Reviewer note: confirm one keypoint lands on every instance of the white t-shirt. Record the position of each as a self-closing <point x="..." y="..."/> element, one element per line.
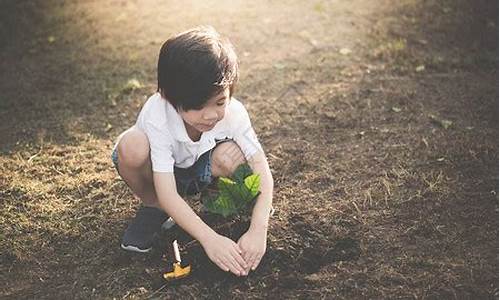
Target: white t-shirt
<point x="170" y="144"/>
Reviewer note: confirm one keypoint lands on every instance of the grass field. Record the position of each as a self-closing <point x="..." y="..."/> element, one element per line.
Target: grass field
<point x="379" y="120"/>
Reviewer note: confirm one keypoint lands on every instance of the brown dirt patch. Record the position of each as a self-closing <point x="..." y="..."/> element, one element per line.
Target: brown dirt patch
<point x="379" y="118"/>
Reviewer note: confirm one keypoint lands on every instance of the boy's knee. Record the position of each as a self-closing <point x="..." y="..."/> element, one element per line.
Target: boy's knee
<point x="133" y="149"/>
<point x="226" y="157"/>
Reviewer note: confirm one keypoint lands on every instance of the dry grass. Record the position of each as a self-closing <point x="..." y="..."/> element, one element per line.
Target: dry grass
<point x="381" y="135"/>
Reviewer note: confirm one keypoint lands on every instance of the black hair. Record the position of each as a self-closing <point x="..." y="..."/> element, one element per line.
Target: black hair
<point x="194" y="66"/>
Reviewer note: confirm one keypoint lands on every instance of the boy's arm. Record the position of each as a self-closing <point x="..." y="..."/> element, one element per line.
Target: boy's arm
<point x="221" y="250"/>
<point x="263" y="205"/>
<point x="253" y="242"/>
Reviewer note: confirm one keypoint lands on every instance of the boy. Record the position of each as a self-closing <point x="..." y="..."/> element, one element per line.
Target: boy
<point x="190" y="131"/>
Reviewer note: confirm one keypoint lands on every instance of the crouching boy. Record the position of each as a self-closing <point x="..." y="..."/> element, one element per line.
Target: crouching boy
<point x="189" y="132"/>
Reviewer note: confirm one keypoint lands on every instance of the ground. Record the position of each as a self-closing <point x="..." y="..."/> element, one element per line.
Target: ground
<point x="379" y="119"/>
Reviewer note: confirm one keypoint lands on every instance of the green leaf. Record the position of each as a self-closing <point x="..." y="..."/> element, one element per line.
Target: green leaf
<point x="243" y="193"/>
<point x="232" y="191"/>
<point x="222" y="205"/>
<point x="279" y="66"/>
<point x="225" y="182"/>
<point x="252" y="183"/>
<point x="420" y="68"/>
<point x="441" y="122"/>
<point x="242" y="172"/>
<point x="319" y="7"/>
<point x="235" y="193"/>
<point x="345" y="51"/>
<point x="210" y="205"/>
<point x="131" y="85"/>
<point x="227" y="205"/>
<point x="226" y="186"/>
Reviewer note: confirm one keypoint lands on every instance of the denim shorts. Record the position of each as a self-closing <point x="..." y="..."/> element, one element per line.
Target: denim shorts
<point x="192" y="180"/>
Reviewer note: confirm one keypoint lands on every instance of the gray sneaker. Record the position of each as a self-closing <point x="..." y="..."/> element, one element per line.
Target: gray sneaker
<point x="140" y="233"/>
<point x="168" y="224"/>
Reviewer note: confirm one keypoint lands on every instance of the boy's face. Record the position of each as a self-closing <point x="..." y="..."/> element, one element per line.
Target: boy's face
<point x="212" y="112"/>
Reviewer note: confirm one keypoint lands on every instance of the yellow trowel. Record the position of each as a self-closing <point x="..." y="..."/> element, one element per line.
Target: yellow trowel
<point x="179" y="271"/>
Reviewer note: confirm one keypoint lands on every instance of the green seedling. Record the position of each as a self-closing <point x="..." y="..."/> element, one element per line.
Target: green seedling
<point x="235" y="193"/>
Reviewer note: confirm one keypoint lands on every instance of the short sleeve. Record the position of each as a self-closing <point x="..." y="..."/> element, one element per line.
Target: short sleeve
<point x="244" y="134"/>
<point x="160" y="143"/>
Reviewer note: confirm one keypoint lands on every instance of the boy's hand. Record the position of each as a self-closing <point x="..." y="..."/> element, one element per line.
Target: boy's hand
<point x="225" y="253"/>
<point x="253" y="243"/>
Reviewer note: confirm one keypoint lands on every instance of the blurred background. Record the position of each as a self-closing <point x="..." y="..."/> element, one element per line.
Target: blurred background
<point x="379" y="119"/>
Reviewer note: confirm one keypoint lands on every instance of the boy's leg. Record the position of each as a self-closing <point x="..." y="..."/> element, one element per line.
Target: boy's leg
<point x="220" y="161"/>
<point x="134" y="166"/>
<point x="226" y="157"/>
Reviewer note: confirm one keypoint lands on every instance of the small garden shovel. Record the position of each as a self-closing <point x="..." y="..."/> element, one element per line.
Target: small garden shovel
<point x="179" y="271"/>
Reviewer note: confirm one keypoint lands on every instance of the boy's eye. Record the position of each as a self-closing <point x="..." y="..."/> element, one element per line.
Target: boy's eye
<point x="221" y="103"/>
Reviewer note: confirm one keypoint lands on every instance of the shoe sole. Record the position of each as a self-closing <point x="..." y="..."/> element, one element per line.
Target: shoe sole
<point x="135" y="249"/>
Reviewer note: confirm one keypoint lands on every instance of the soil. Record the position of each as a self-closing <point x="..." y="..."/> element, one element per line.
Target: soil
<point x="379" y="120"/>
